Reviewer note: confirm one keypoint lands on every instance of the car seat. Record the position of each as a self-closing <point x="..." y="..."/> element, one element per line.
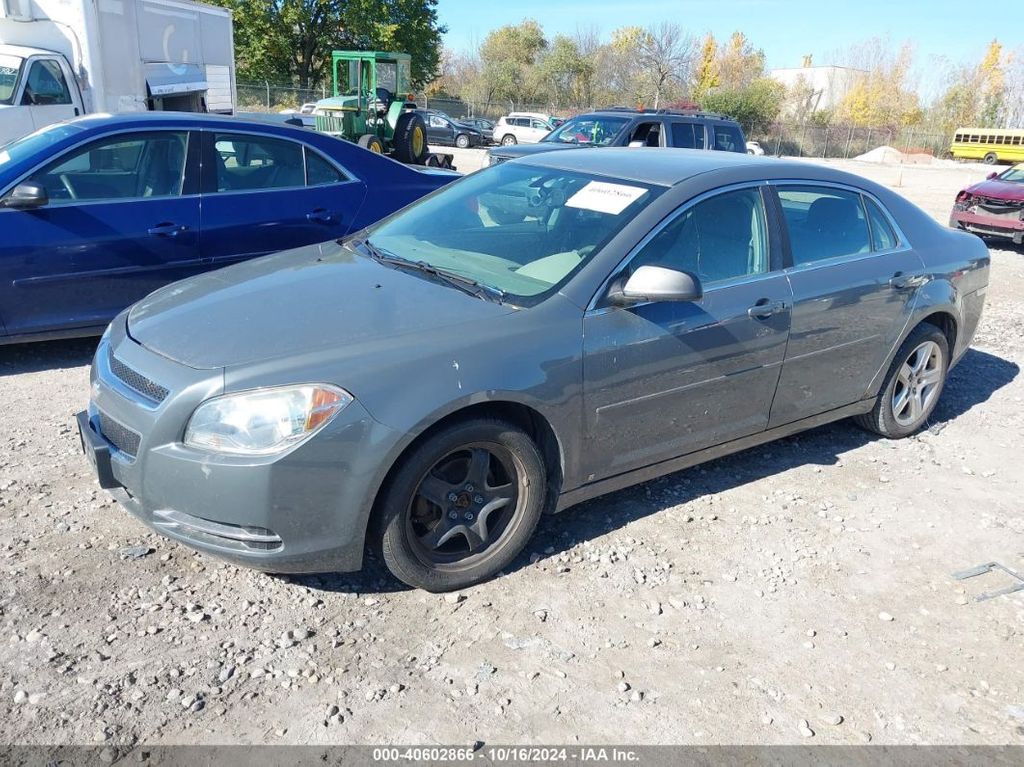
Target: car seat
<point x="834" y="227"/>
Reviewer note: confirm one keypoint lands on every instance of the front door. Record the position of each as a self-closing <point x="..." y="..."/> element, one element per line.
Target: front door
<point x="263" y="194"/>
<point x="852" y="285"/>
<point x="665" y="379"/>
<point x="439" y="130"/>
<point x="122" y="220"/>
<point x="46" y="93"/>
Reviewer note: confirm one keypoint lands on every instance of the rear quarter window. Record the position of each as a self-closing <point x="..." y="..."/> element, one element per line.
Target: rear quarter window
<point x="728" y="138"/>
<point x="883" y="237"/>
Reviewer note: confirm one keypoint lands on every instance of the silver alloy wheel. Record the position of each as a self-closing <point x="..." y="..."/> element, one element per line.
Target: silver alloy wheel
<point x="917" y="384"/>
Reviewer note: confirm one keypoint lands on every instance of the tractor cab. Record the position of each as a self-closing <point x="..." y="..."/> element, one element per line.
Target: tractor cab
<point x="372" y="105"/>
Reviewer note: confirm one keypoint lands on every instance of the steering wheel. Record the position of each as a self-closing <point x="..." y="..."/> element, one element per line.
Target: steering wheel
<point x="68" y="186"/>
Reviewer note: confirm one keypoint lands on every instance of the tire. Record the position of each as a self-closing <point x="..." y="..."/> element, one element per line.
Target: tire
<point x="891" y="421"/>
<point x="508" y="140"/>
<point x="462" y="141"/>
<point x="411" y="139"/>
<point x="430" y="545"/>
<point x="990" y="159"/>
<point x="371" y="142"/>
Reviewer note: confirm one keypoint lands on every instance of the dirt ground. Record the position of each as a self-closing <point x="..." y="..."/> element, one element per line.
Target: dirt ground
<point x="799" y="592"/>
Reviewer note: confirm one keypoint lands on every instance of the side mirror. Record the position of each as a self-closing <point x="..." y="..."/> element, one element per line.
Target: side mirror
<point x="27" y="195"/>
<point x="991" y="175"/>
<point x="657" y="283"/>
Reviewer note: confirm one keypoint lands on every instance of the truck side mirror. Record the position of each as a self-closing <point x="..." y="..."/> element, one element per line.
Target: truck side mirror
<point x="28" y="195"/>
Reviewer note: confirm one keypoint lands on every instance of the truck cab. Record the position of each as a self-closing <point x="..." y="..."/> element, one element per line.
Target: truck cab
<point x="37" y="88"/>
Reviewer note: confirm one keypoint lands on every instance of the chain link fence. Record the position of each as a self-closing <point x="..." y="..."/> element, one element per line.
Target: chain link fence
<point x="788" y="139"/>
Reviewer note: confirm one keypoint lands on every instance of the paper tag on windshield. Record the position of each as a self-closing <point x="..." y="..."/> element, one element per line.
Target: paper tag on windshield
<point x="602" y="197"/>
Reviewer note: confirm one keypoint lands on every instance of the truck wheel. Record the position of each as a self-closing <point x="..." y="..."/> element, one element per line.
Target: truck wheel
<point x="991" y="158"/>
<point x="462" y="505"/>
<point x="372" y="143"/>
<point x="462" y="141"/>
<point x="508" y="140"/>
<point x="411" y="139"/>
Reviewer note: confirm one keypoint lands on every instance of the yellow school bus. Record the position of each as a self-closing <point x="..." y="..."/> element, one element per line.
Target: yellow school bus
<point x="990" y="145"/>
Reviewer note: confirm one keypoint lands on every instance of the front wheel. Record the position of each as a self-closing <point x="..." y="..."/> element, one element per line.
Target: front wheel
<point x="462" y="141"/>
<point x="508" y="140"/>
<point x="372" y="143"/>
<point x="912" y="386"/>
<point x="990" y="159"/>
<point x="462" y="505"/>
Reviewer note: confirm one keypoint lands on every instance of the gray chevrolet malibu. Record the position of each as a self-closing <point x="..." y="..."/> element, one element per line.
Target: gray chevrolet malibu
<point x="534" y="335"/>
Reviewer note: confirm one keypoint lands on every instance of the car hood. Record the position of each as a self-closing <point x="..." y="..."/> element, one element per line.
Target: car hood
<point x="296" y="302"/>
<point x="525" y="150"/>
<point x="1000" y="190"/>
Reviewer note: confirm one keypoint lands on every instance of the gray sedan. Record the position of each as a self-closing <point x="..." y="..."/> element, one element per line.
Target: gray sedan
<point x="534" y="335"/>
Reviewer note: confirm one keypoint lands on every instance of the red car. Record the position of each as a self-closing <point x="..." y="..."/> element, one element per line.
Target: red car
<point x="993" y="207"/>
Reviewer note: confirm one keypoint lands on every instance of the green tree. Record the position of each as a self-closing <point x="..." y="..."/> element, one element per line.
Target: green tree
<point x="567" y="74"/>
<point x="290" y="41"/>
<point x="509" y="56"/>
<point x="754" y="106"/>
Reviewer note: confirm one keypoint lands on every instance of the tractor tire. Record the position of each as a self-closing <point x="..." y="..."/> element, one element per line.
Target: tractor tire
<point x="372" y="143"/>
<point x="411" y="139"/>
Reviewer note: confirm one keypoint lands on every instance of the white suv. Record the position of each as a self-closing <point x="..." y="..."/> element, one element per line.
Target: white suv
<point x="522" y="128"/>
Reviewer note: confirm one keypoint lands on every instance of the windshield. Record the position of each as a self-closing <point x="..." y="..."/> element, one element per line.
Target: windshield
<point x="587" y="129"/>
<point x="9" y="68"/>
<point x="516" y="228"/>
<point x="1014" y="174"/>
<point x="33" y="143"/>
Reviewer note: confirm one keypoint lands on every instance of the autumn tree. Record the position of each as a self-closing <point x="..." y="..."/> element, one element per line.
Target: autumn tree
<point x="882" y="94"/>
<point x="509" y="56"/>
<point x="706" y="74"/>
<point x="738" y="63"/>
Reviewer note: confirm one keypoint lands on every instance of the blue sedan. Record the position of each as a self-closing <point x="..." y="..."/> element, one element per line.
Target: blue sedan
<point x="98" y="212"/>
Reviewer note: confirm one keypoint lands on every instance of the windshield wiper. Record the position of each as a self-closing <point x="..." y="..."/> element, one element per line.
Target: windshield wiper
<point x="456" y="280"/>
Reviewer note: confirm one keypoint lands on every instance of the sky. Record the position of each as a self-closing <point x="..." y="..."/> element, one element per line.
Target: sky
<point x="785" y="29"/>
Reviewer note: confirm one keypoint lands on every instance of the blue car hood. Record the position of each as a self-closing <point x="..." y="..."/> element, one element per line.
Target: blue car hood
<point x="294" y="302"/>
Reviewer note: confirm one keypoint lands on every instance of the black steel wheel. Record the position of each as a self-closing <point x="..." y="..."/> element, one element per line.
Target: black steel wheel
<point x="462" y="505"/>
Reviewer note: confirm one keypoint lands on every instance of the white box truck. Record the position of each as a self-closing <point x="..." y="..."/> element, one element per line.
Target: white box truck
<point x="62" y="58"/>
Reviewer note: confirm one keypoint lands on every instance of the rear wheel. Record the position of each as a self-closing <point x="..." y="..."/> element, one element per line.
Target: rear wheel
<point x="912" y="386"/>
<point x="462" y="505"/>
<point x="508" y="140"/>
<point x="411" y="139"/>
<point x="462" y="141"/>
<point x="990" y="159"/>
<point x="371" y="142"/>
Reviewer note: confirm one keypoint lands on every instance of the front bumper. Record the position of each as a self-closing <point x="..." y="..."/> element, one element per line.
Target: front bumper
<point x="302" y="511"/>
<point x="1009" y="226"/>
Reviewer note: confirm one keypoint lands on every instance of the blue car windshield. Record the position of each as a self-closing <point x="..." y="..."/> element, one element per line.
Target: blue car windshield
<point x="516" y="228"/>
<point x="34" y="143"/>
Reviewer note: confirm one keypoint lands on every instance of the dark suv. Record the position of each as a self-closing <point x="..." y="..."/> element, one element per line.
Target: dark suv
<point x="619" y="126"/>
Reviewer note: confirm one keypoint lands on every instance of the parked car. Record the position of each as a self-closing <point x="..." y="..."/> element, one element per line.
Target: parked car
<point x="99" y="211"/>
<point x="435" y="383"/>
<point x="486" y="127"/>
<point x="442" y="129"/>
<point x="619" y="126"/>
<point x="754" y="147"/>
<point x="522" y="128"/>
<point x="993" y="207"/>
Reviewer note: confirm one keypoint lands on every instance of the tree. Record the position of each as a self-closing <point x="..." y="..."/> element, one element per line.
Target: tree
<point x="290" y="41"/>
<point x="993" y="84"/>
<point x="665" y="53"/>
<point x="738" y="63"/>
<point x="706" y="76"/>
<point x="755" y="106"/>
<point x="509" y="56"/>
<point x="567" y="74"/>
<point x="881" y="94"/>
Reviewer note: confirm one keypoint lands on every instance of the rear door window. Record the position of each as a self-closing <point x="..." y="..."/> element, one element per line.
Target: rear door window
<point x="824" y="222"/>
<point x="728" y="139"/>
<point x="254" y="163"/>
<point x="687" y="135"/>
<point x="319" y="172"/>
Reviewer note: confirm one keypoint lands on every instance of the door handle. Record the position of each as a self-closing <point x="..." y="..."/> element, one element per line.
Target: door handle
<point x="321" y="216"/>
<point x="167" y="230"/>
<point x="764" y="309"/>
<point x="901" y="281"/>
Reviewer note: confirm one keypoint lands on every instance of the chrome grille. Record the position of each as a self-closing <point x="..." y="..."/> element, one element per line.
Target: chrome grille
<point x="119" y="435"/>
<point x="135" y="381"/>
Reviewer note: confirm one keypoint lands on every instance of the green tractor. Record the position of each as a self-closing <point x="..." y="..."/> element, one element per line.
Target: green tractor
<point x="373" y="107"/>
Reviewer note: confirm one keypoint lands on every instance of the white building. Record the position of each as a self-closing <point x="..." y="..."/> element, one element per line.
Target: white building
<point x="825" y="85"/>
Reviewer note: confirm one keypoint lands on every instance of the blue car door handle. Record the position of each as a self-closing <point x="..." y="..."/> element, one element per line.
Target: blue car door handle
<point x="764" y="309"/>
<point x="167" y="230"/>
<point x="321" y="216"/>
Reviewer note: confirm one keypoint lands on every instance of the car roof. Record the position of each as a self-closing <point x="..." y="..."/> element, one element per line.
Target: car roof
<point x="668" y="167"/>
<point x="101" y="121"/>
<point x="667" y="113"/>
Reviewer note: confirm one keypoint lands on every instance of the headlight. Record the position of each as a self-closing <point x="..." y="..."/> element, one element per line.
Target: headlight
<point x="264" y="421"/>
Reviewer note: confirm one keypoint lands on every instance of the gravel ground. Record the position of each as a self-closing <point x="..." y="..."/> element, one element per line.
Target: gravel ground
<point x="799" y="592"/>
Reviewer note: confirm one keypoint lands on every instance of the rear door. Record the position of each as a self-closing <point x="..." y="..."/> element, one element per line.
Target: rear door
<point x="853" y="278"/>
<point x="264" y="193"/>
<point x="123" y="220"/>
